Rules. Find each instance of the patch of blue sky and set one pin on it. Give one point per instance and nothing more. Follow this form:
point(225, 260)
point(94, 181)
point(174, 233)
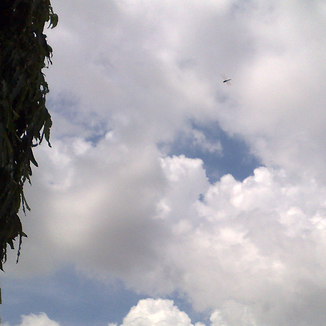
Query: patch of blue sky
point(233, 157)
point(68, 298)
point(71, 299)
point(72, 121)
point(185, 305)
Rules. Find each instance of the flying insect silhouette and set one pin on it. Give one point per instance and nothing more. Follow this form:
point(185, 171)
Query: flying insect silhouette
point(226, 80)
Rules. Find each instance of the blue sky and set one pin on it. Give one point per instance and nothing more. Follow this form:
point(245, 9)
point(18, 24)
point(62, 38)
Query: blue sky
point(168, 197)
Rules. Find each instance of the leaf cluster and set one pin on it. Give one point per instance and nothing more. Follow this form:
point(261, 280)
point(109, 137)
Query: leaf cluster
point(24, 118)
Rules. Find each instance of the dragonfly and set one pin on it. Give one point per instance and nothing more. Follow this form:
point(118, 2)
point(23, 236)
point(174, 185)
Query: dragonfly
point(226, 80)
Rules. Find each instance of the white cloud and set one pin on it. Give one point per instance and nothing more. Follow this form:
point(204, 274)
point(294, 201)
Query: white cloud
point(254, 241)
point(201, 141)
point(278, 104)
point(152, 312)
point(147, 67)
point(159, 312)
point(36, 320)
point(260, 242)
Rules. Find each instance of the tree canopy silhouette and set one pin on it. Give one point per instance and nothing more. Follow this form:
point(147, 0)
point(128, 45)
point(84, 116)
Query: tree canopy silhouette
point(24, 118)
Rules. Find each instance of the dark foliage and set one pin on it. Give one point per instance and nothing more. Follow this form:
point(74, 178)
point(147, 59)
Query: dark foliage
point(24, 118)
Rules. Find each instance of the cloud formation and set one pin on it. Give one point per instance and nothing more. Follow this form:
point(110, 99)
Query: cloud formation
point(260, 242)
point(152, 312)
point(36, 320)
point(131, 75)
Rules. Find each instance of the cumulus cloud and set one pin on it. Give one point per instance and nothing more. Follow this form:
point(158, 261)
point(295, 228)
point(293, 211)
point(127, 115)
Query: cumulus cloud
point(260, 242)
point(36, 320)
point(254, 241)
point(150, 312)
point(159, 312)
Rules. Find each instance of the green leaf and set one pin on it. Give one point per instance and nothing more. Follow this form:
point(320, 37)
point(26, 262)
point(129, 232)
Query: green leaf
point(53, 21)
point(24, 119)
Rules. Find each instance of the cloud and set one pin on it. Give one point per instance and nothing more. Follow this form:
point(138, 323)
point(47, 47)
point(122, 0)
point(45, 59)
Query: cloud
point(159, 312)
point(98, 202)
point(148, 68)
point(150, 312)
point(254, 241)
point(277, 95)
point(36, 320)
point(260, 242)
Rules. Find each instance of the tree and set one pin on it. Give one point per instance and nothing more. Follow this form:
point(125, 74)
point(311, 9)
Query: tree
point(24, 118)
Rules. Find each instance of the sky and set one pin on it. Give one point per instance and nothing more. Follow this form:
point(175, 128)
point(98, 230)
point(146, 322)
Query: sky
point(169, 197)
